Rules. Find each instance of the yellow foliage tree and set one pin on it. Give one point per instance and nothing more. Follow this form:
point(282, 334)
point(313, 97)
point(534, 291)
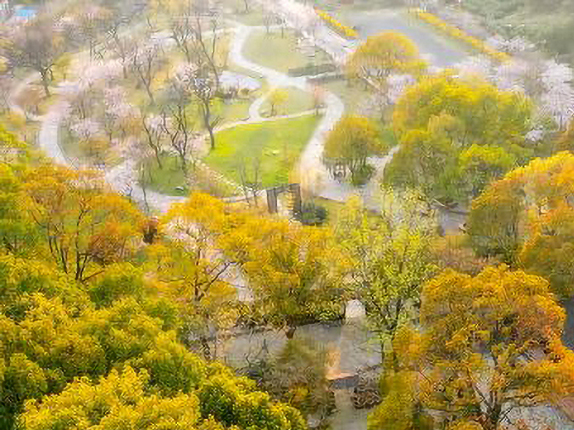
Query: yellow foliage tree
point(85, 226)
point(350, 143)
point(383, 54)
point(528, 218)
point(488, 345)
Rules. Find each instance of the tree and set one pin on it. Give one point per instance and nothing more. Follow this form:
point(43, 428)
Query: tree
point(383, 54)
point(36, 46)
point(484, 114)
point(84, 226)
point(146, 61)
point(277, 98)
point(428, 161)
point(178, 127)
point(528, 219)
point(154, 131)
point(122, 398)
point(203, 88)
point(93, 20)
point(488, 346)
point(388, 259)
point(18, 234)
point(188, 275)
point(456, 135)
point(187, 26)
point(350, 143)
point(483, 165)
point(249, 169)
point(122, 45)
point(288, 267)
point(193, 272)
point(297, 375)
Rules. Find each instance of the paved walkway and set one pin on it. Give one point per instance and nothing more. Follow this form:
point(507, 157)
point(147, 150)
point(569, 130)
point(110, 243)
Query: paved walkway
point(313, 174)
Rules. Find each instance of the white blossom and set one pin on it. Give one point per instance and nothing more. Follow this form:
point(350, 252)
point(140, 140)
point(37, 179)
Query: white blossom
point(535, 135)
point(477, 65)
point(396, 86)
point(86, 128)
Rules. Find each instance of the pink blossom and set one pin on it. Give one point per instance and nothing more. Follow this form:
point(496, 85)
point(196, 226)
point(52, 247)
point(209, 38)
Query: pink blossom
point(86, 129)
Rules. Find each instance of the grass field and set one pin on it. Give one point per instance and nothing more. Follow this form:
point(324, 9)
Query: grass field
point(275, 145)
point(352, 95)
point(167, 179)
point(297, 101)
point(280, 53)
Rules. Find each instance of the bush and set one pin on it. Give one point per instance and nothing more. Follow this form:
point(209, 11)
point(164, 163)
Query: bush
point(362, 175)
point(343, 30)
point(312, 214)
point(457, 33)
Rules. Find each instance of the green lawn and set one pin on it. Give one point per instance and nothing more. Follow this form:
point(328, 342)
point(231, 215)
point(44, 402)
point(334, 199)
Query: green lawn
point(352, 95)
point(171, 176)
point(237, 110)
point(279, 53)
point(236, 9)
point(297, 101)
point(168, 178)
point(276, 145)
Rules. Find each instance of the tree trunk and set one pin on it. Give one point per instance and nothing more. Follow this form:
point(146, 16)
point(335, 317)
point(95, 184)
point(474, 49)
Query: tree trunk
point(211, 136)
point(205, 348)
point(158, 159)
point(44, 75)
point(290, 332)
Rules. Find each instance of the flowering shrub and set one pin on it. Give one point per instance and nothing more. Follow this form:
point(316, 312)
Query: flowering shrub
point(458, 34)
point(342, 29)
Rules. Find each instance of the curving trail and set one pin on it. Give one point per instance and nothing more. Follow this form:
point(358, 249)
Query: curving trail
point(312, 171)
point(123, 177)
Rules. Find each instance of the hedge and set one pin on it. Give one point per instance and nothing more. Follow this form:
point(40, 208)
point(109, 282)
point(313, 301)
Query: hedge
point(458, 34)
point(342, 29)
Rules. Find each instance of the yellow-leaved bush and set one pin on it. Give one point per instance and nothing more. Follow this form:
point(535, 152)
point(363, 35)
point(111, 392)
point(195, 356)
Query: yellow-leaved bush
point(458, 34)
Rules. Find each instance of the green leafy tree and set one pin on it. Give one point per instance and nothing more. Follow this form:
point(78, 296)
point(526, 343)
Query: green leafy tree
point(389, 259)
point(350, 143)
point(456, 136)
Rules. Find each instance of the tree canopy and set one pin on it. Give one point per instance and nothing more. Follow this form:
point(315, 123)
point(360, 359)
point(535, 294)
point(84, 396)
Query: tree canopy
point(457, 136)
point(528, 218)
point(487, 345)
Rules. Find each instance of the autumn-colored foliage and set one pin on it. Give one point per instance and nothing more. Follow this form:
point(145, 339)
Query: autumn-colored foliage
point(528, 218)
point(458, 34)
point(457, 136)
point(337, 26)
point(383, 54)
point(488, 344)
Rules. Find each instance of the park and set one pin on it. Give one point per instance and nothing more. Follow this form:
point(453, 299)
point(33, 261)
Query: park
point(272, 204)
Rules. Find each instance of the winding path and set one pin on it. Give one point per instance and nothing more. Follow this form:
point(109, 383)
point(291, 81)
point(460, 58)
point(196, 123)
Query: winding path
point(123, 177)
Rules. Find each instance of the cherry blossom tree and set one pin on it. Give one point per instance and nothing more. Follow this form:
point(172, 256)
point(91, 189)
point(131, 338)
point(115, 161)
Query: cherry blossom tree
point(36, 46)
point(90, 136)
point(146, 61)
point(202, 87)
point(388, 95)
point(92, 20)
point(118, 114)
point(154, 133)
point(177, 124)
point(558, 101)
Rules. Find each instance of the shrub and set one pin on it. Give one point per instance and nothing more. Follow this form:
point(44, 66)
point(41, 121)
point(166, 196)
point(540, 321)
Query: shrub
point(458, 34)
point(312, 214)
point(341, 29)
